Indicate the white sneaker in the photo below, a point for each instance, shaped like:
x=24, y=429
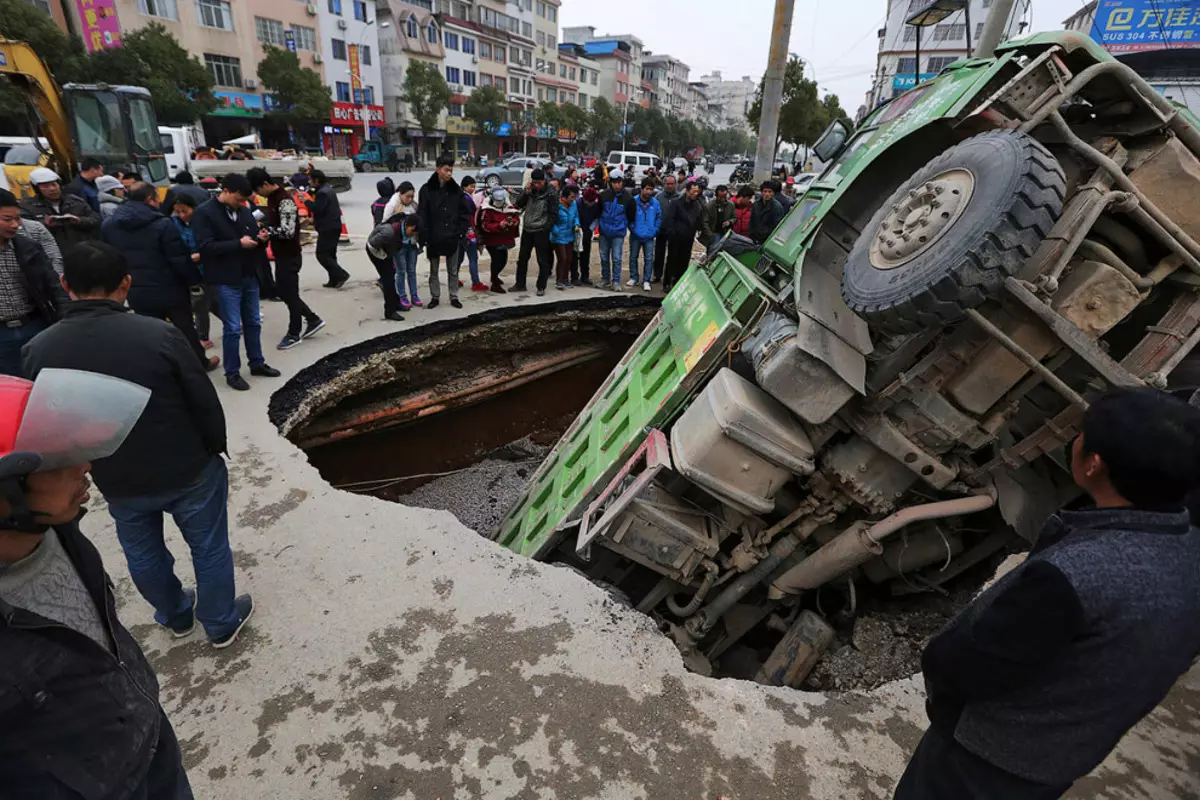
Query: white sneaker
x=631, y=282
x=646, y=286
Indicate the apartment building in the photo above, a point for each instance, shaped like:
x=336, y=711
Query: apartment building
x=942, y=44
x=412, y=33
x=667, y=77
x=349, y=49
x=732, y=100
x=619, y=58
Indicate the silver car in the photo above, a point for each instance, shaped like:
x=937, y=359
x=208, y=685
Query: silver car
x=507, y=173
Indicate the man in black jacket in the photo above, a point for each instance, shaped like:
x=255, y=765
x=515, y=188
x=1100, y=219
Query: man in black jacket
x=539, y=211
x=160, y=263
x=1031, y=686
x=79, y=710
x=84, y=184
x=68, y=216
x=765, y=214
x=445, y=213
x=327, y=222
x=170, y=462
x=31, y=297
x=229, y=240
x=681, y=223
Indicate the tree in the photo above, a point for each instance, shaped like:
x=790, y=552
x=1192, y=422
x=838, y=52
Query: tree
x=603, y=123
x=180, y=86
x=64, y=55
x=802, y=116
x=547, y=114
x=487, y=107
x=299, y=94
x=576, y=120
x=426, y=92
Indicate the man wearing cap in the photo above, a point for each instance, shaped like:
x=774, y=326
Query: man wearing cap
x=78, y=699
x=68, y=216
x=171, y=462
x=31, y=297
x=111, y=195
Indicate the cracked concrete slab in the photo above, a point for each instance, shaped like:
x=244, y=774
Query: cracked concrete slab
x=396, y=654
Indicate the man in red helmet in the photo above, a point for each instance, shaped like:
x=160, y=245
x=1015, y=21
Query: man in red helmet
x=79, y=710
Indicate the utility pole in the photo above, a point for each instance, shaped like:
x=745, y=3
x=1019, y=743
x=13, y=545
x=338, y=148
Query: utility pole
x=772, y=90
x=994, y=29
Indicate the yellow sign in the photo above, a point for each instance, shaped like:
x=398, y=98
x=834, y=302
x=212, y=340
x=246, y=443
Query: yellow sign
x=355, y=75
x=457, y=126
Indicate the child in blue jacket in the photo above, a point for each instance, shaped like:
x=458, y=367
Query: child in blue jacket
x=562, y=235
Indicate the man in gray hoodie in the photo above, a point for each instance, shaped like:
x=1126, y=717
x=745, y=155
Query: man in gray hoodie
x=667, y=196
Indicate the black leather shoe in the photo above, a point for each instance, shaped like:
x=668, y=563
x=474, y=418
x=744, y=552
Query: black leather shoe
x=236, y=381
x=265, y=371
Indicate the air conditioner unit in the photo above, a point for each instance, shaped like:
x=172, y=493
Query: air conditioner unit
x=474, y=59
x=311, y=8
x=341, y=24
x=251, y=83
x=317, y=58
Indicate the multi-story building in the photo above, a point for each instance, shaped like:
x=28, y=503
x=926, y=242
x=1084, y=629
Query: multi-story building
x=942, y=44
x=461, y=68
x=349, y=49
x=732, y=100
x=667, y=77
x=412, y=34
x=1160, y=43
x=700, y=109
x=619, y=58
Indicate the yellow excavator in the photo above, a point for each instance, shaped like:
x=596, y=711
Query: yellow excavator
x=114, y=124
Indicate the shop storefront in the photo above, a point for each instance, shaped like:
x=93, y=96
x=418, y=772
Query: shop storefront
x=238, y=114
x=461, y=137
x=343, y=137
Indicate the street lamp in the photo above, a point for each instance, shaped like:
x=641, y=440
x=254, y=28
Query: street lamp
x=362, y=84
x=932, y=15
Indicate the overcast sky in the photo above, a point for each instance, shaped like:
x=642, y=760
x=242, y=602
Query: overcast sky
x=837, y=36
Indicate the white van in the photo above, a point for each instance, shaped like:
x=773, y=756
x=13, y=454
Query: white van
x=633, y=160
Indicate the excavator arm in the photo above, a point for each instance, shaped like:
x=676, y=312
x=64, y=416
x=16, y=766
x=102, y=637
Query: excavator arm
x=29, y=74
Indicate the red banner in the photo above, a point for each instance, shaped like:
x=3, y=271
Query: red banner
x=344, y=113
x=355, y=80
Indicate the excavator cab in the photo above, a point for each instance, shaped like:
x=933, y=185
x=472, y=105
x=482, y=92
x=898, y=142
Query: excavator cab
x=117, y=126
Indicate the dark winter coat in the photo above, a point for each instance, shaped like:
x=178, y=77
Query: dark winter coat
x=218, y=238
x=326, y=211
x=197, y=193
x=41, y=281
x=445, y=212
x=764, y=218
x=76, y=720
x=683, y=220
x=386, y=188
x=183, y=425
x=158, y=260
x=82, y=187
x=69, y=233
x=718, y=217
x=537, y=219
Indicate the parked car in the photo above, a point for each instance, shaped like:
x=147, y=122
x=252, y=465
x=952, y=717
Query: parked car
x=508, y=173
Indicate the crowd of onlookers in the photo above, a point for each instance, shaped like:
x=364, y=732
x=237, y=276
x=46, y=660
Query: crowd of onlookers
x=557, y=220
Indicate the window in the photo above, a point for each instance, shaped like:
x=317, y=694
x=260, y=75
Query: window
x=451, y=41
x=541, y=38
x=979, y=30
x=551, y=41
x=225, y=70
x=549, y=67
x=454, y=110
x=572, y=73
x=541, y=9
x=364, y=54
x=595, y=77
x=452, y=75
x=939, y=63
x=214, y=14
x=485, y=49
x=269, y=31
x=562, y=70
x=343, y=91
x=498, y=54
x=583, y=101
x=155, y=8
x=552, y=13
x=360, y=10
x=527, y=30
x=562, y=95
x=906, y=65
x=910, y=34
x=541, y=94
x=306, y=38
x=335, y=7
x=339, y=49
x=502, y=85
x=485, y=79
x=949, y=33
x=412, y=28
x=468, y=78
x=468, y=46
x=431, y=33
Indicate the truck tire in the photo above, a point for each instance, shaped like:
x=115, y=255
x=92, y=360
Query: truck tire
x=367, y=166
x=946, y=239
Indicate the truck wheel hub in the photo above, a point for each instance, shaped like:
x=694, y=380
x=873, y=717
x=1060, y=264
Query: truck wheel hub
x=921, y=217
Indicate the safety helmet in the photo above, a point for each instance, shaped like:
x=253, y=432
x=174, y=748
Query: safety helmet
x=65, y=417
x=616, y=175
x=44, y=175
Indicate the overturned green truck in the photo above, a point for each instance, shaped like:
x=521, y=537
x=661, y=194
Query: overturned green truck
x=881, y=395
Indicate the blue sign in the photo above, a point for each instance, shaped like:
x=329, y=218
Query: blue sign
x=238, y=104
x=902, y=83
x=1127, y=26
x=289, y=40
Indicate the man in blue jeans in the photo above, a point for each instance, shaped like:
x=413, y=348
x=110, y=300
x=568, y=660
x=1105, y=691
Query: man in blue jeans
x=229, y=240
x=616, y=215
x=171, y=460
x=647, y=221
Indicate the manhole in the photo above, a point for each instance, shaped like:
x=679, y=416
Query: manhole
x=458, y=415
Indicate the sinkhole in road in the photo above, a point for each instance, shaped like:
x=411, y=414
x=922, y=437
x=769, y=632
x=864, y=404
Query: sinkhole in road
x=457, y=414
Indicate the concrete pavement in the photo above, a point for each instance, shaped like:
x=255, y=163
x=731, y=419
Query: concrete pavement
x=396, y=654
